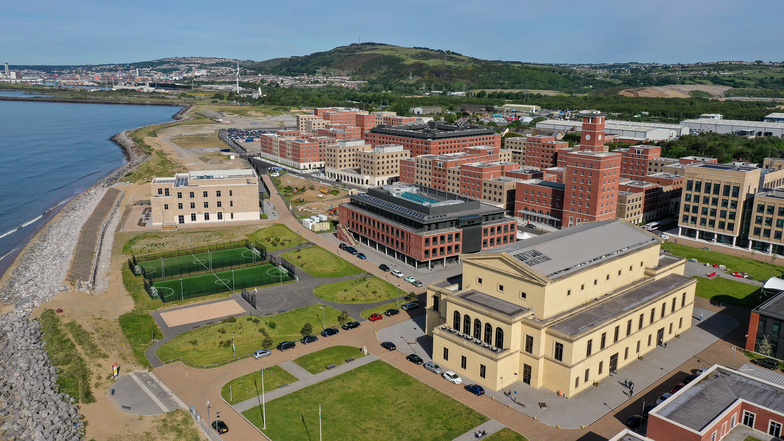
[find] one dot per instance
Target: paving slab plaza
(593, 403)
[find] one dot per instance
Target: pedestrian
(626, 383)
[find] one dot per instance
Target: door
(660, 337)
(613, 363)
(526, 374)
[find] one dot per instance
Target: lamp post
(208, 416)
(397, 296)
(233, 348)
(263, 402)
(733, 357)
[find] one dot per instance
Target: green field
(232, 280)
(244, 387)
(277, 237)
(506, 434)
(730, 292)
(318, 361)
(756, 269)
(198, 263)
(373, 402)
(361, 290)
(212, 344)
(319, 262)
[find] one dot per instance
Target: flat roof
(604, 311)
(492, 303)
(734, 122)
(772, 307)
(431, 130)
(701, 401)
(548, 184)
(570, 250)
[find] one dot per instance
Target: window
(523, 295)
(191, 195)
(488, 333)
(482, 370)
(218, 193)
(529, 344)
(456, 320)
(206, 205)
(601, 367)
(446, 353)
(499, 338)
(653, 314)
(734, 420)
(179, 206)
(642, 317)
(463, 361)
(713, 436)
(558, 355)
(588, 348)
(664, 308)
(774, 428)
(670, 328)
(638, 346)
(626, 353)
(650, 337)
(501, 288)
(604, 340)
(160, 191)
(204, 193)
(748, 419)
(576, 381)
(179, 195)
(193, 217)
(219, 204)
(477, 329)
(587, 375)
(629, 327)
(165, 206)
(467, 324)
(617, 331)
(680, 323)
(193, 205)
(231, 192)
(206, 216)
(479, 280)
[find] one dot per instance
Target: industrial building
(632, 131)
(735, 127)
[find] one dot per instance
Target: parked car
(362, 256)
(432, 367)
(388, 345)
(414, 358)
(634, 421)
(475, 389)
(350, 325)
(689, 378)
(663, 398)
(410, 279)
(647, 409)
(409, 306)
(392, 311)
(261, 353)
(282, 346)
(375, 317)
(768, 363)
(397, 273)
(343, 246)
(677, 387)
(417, 283)
(452, 377)
(384, 267)
(308, 339)
(352, 250)
(329, 331)
(220, 427)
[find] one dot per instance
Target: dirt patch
(199, 141)
(204, 312)
(675, 91)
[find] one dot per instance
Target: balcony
(470, 343)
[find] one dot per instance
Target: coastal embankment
(30, 406)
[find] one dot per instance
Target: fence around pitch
(135, 263)
(191, 270)
(174, 292)
(199, 250)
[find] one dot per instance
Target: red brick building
(635, 160)
(543, 151)
(540, 201)
(591, 186)
(433, 138)
(295, 149)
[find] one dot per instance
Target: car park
(452, 377)
(432, 367)
(282, 346)
(663, 398)
(410, 279)
(384, 267)
(475, 389)
(261, 353)
(397, 273)
(388, 345)
(308, 339)
(329, 331)
(350, 325)
(768, 363)
(220, 427)
(634, 421)
(414, 358)
(409, 306)
(391, 311)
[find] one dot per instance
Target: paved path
(490, 427)
(141, 393)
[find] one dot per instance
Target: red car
(375, 317)
(713, 274)
(677, 387)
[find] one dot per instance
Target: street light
(263, 402)
(208, 416)
(733, 357)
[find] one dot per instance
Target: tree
(764, 347)
(343, 317)
(450, 118)
(267, 342)
(481, 94)
(306, 330)
(411, 297)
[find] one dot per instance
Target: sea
(50, 152)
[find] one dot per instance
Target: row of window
(219, 204)
(712, 188)
(486, 336)
(205, 216)
(192, 194)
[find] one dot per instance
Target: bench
(330, 366)
(127, 407)
(349, 360)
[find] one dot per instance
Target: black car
(414, 358)
(350, 325)
(308, 339)
(352, 250)
(766, 363)
(647, 409)
(392, 311)
(282, 346)
(343, 246)
(384, 267)
(634, 421)
(220, 427)
(388, 345)
(329, 331)
(689, 378)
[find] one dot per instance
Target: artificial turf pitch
(223, 281)
(192, 263)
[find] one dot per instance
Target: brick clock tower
(592, 133)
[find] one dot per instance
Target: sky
(567, 31)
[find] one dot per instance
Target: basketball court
(193, 314)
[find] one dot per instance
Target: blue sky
(567, 31)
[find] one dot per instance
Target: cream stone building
(560, 311)
(205, 196)
(356, 162)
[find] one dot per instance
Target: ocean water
(51, 152)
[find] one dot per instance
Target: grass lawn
(380, 309)
(729, 292)
(319, 262)
(208, 345)
(758, 270)
(139, 328)
(277, 237)
(318, 361)
(244, 387)
(372, 402)
(506, 434)
(361, 290)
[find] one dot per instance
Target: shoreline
(87, 101)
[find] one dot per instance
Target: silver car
(452, 377)
(432, 367)
(261, 353)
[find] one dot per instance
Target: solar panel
(531, 257)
